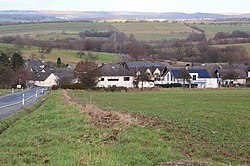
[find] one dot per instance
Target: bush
(55, 87)
(169, 85)
(73, 86)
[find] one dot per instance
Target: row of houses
(125, 74)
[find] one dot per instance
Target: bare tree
(88, 73)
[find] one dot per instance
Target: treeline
(195, 48)
(234, 34)
(205, 53)
(12, 70)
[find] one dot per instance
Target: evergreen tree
(59, 62)
(4, 59)
(17, 61)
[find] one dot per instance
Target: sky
(187, 6)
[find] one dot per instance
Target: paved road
(17, 97)
(12, 103)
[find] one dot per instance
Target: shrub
(73, 86)
(169, 85)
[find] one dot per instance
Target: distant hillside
(37, 16)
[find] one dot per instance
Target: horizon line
(226, 13)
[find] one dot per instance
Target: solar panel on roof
(143, 64)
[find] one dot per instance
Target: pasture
(208, 126)
(67, 56)
(58, 133)
(212, 29)
(205, 124)
(142, 31)
(74, 27)
(154, 31)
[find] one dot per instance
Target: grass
(67, 56)
(53, 27)
(206, 124)
(4, 92)
(142, 31)
(154, 31)
(59, 134)
(212, 29)
(49, 36)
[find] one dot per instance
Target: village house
(233, 74)
(41, 76)
(45, 78)
(115, 75)
(153, 70)
(194, 77)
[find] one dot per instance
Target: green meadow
(208, 126)
(212, 29)
(67, 56)
(154, 31)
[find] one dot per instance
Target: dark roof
(240, 73)
(177, 72)
(114, 70)
(140, 64)
(203, 73)
(63, 72)
(42, 76)
(35, 64)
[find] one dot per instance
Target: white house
(45, 79)
(196, 77)
(115, 75)
(248, 72)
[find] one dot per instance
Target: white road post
(23, 100)
(12, 90)
(36, 93)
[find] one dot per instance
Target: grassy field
(207, 124)
(4, 92)
(142, 31)
(52, 27)
(67, 56)
(49, 36)
(154, 31)
(59, 134)
(211, 29)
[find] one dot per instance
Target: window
(194, 77)
(126, 78)
(101, 79)
(113, 79)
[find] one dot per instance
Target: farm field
(154, 31)
(60, 134)
(67, 56)
(52, 27)
(212, 29)
(53, 35)
(142, 31)
(205, 124)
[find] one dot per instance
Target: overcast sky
(187, 6)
